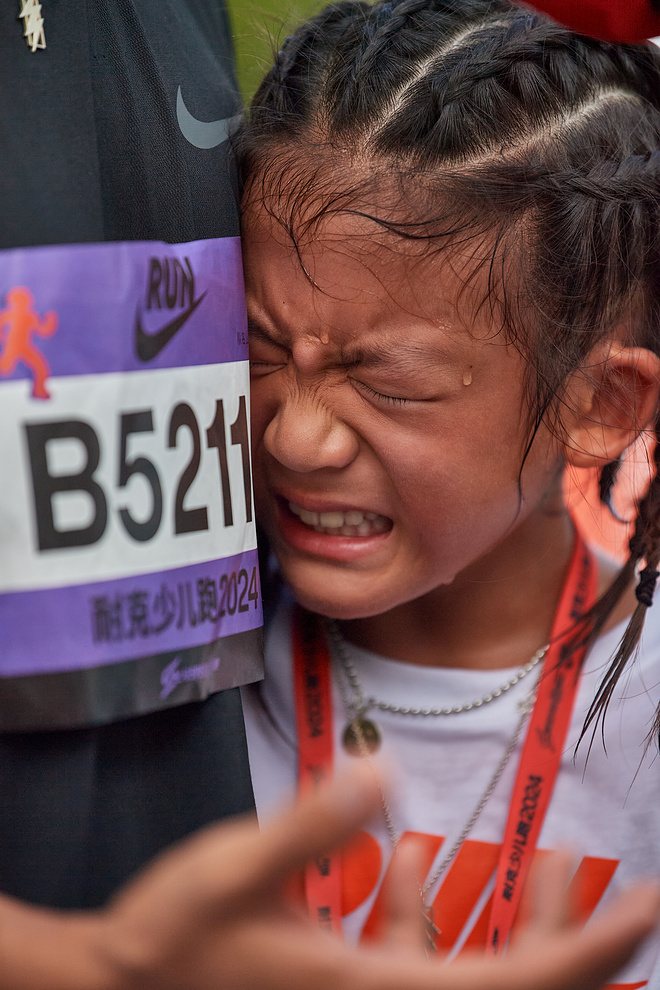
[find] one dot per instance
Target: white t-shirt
(606, 808)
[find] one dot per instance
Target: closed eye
(266, 355)
(382, 397)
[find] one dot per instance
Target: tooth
(371, 516)
(294, 508)
(309, 518)
(364, 528)
(331, 519)
(347, 531)
(353, 517)
(381, 524)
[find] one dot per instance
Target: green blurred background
(259, 27)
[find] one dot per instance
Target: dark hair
(484, 123)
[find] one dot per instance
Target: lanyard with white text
(539, 763)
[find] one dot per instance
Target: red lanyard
(539, 763)
(544, 745)
(313, 693)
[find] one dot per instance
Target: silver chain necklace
(362, 705)
(362, 732)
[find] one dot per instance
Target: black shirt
(92, 151)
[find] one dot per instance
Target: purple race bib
(128, 565)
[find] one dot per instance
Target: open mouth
(351, 522)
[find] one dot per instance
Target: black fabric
(82, 810)
(90, 145)
(91, 151)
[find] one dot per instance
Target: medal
(33, 24)
(361, 736)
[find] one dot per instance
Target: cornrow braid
(397, 41)
(617, 201)
(287, 92)
(478, 123)
(630, 180)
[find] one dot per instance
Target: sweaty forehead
(353, 281)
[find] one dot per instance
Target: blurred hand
(214, 913)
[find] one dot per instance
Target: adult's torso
(92, 152)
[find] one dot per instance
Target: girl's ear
(610, 401)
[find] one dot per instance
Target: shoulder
(647, 654)
(629, 715)
(272, 697)
(269, 712)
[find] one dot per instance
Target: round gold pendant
(361, 737)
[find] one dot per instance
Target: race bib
(128, 564)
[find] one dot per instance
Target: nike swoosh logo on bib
(200, 133)
(149, 345)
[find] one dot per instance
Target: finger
(295, 959)
(569, 960)
(546, 901)
(323, 820)
(575, 959)
(406, 924)
(609, 941)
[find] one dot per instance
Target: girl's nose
(305, 435)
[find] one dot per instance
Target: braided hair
(479, 121)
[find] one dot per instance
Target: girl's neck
(495, 614)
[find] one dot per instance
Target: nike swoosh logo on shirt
(200, 133)
(149, 345)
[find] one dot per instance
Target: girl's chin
(341, 592)
(334, 607)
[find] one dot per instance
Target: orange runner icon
(18, 322)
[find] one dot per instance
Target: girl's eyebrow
(398, 356)
(393, 355)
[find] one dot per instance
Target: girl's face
(388, 416)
